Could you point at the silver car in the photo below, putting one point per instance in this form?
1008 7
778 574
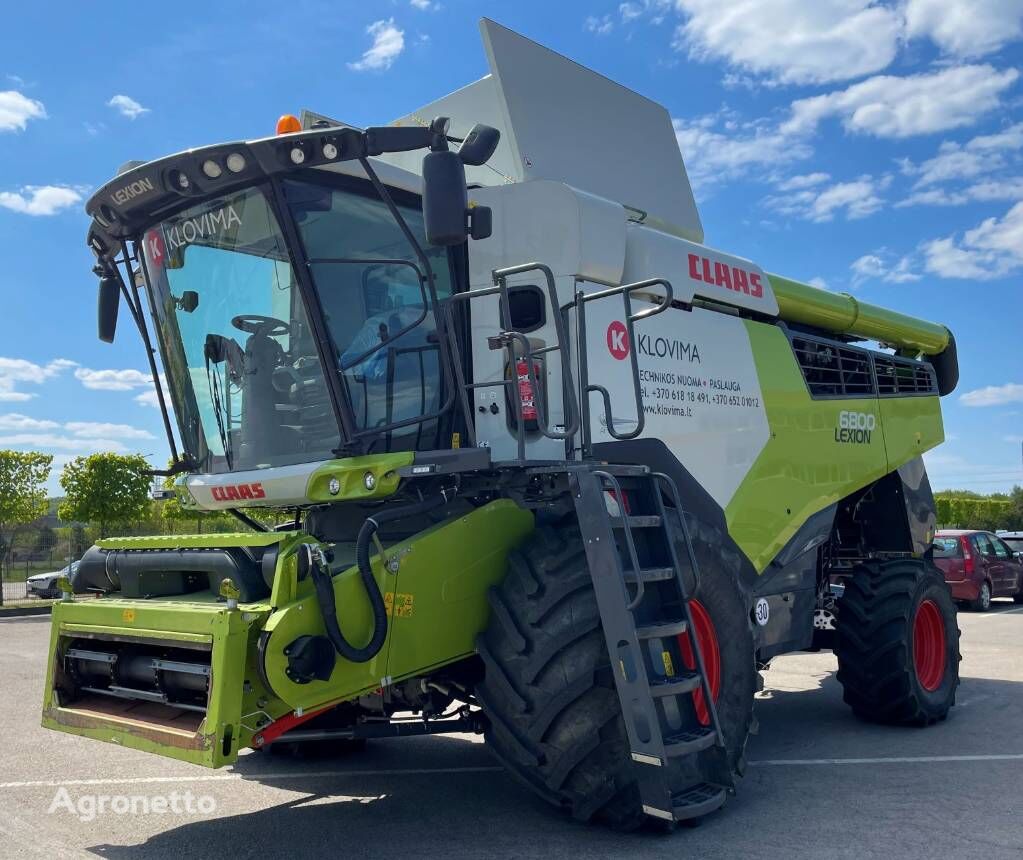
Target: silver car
45 584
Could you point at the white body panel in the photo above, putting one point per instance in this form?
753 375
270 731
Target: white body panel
559 120
589 244
277 487
699 384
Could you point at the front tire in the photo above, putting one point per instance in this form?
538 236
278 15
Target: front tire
549 694
897 643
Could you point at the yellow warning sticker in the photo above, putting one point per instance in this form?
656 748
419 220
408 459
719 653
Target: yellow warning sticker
456 440
403 605
128 615
399 605
669 667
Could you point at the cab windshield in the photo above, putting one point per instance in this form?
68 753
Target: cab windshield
244 371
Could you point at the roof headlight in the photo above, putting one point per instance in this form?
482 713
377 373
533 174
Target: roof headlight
212 169
236 162
297 155
330 151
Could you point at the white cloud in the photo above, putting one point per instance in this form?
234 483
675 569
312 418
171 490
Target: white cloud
113 380
23 430
856 199
23 423
716 147
148 397
876 267
67 443
819 283
808 180
104 430
629 11
896 107
965 29
388 43
993 395
127 106
987 191
976 157
654 10
993 249
979 159
423 5
17 370
40 199
16 110
600 26
792 41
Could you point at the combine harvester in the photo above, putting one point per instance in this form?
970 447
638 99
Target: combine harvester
556 471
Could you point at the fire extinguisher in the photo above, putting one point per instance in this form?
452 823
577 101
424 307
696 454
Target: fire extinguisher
528 398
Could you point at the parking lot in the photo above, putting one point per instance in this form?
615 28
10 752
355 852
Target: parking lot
819 783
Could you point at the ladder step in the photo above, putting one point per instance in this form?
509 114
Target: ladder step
698 800
662 629
638 522
651 574
675 685
689 741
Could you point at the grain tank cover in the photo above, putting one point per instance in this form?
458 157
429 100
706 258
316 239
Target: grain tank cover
563 122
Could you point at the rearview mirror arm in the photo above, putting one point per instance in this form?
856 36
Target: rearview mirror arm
150 352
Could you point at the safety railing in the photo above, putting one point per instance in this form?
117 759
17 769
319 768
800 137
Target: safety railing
520 349
508 339
579 304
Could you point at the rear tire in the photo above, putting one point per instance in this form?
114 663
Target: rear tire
549 694
892 670
983 601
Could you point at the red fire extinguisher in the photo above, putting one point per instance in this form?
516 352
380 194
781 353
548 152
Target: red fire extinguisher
530 407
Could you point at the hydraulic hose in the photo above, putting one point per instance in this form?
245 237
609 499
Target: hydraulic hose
323 582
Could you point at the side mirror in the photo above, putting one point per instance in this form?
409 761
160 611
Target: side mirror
479 145
189 301
445 200
107 306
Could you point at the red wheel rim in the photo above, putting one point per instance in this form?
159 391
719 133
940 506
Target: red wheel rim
929 653
707 638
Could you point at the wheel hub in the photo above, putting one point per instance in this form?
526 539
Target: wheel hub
706 637
929 652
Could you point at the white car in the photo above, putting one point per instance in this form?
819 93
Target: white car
45 584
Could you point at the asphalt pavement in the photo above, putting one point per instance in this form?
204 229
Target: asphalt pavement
820 783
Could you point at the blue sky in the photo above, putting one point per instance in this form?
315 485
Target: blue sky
872 147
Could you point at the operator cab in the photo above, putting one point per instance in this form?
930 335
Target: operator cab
295 296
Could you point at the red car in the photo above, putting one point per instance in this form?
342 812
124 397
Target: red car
978 566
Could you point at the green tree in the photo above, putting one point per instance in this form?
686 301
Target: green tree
105 489
23 477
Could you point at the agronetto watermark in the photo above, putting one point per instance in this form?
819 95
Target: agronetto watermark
88 807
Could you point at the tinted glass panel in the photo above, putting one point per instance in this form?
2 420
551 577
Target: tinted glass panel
245 374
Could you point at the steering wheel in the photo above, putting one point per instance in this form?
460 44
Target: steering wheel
257 324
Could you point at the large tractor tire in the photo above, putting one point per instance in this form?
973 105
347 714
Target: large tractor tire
554 716
897 643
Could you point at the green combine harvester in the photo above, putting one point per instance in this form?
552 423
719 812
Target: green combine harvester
554 469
